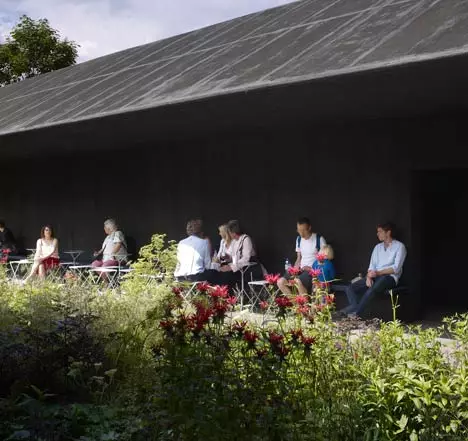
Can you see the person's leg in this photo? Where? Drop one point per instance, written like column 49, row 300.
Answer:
column 41, row 271
column 97, row 264
column 304, row 283
column 351, row 293
column 381, row 284
column 34, row 269
column 110, row 262
column 283, row 284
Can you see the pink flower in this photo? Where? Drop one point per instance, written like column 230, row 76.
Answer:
column 203, row 286
column 304, row 310
column 300, row 300
column 321, row 257
column 329, row 299
column 272, row 279
column 294, row 271
column 231, row 301
column 264, row 305
column 315, row 272
column 220, row 292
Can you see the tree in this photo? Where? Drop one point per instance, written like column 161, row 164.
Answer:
column 34, row 47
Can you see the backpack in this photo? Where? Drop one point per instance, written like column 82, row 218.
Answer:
column 317, row 244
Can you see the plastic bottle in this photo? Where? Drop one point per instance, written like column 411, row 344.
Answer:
column 287, row 264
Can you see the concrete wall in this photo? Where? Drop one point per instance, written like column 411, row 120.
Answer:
column 345, row 177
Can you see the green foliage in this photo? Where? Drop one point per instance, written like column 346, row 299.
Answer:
column 142, row 364
column 34, row 47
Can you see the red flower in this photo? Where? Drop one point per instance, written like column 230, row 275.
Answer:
column 319, row 307
column 294, row 271
column 308, row 341
column 261, row 353
column 315, row 272
column 250, row 337
column 300, row 300
column 231, row 301
column 239, row 327
column 177, row 290
column 283, row 351
column 272, row 279
column 296, row 334
column 292, row 282
column 166, row 324
column 275, row 339
column 283, row 302
column 6, row 251
column 203, row 314
column 220, row 292
column 203, row 286
column 264, row 305
column 321, row 257
column 304, row 310
column 329, row 299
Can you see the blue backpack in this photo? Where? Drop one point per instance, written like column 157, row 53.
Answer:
column 317, row 244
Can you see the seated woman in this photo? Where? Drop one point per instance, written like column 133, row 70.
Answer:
column 224, row 254
column 114, row 247
column 47, row 254
column 243, row 255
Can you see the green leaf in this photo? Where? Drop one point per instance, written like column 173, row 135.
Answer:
column 413, row 436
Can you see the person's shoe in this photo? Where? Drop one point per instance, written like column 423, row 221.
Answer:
column 338, row 315
column 352, row 315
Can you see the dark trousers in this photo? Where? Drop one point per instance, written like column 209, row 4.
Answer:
column 381, row 284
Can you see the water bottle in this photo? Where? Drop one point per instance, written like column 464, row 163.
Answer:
column 287, row 265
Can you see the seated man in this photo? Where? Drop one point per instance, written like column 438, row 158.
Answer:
column 385, row 269
column 7, row 240
column 193, row 255
column 308, row 245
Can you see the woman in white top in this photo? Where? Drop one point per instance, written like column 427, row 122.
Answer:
column 114, row 247
column 47, row 254
column 224, row 254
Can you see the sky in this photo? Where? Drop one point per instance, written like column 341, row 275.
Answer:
column 101, row 27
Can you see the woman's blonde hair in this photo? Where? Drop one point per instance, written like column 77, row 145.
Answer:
column 225, row 233
column 329, row 251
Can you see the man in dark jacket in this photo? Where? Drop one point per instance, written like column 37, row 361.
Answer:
column 7, row 240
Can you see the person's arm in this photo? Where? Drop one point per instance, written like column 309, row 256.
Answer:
column 397, row 266
column 37, row 255
column 297, row 263
column 118, row 242
column 177, row 268
column 207, row 256
column 373, row 262
column 247, row 251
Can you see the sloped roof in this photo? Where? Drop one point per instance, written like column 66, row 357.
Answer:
column 296, row 42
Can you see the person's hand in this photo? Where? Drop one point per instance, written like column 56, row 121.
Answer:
column 215, row 259
column 96, row 253
column 307, row 268
column 225, row 269
column 369, row 282
column 372, row 274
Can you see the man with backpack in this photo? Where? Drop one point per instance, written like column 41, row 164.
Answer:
column 308, row 244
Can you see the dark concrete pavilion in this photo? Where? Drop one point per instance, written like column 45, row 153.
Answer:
column 348, row 111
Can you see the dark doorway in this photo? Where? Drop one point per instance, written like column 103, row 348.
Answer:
column 440, row 231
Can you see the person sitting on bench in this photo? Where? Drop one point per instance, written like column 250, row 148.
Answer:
column 308, row 245
column 385, row 270
column 7, row 240
column 193, row 255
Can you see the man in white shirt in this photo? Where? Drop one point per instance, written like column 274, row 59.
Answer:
column 385, row 270
column 193, row 255
column 308, row 244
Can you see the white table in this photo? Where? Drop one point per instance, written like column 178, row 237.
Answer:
column 111, row 273
column 243, row 291
column 74, row 254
